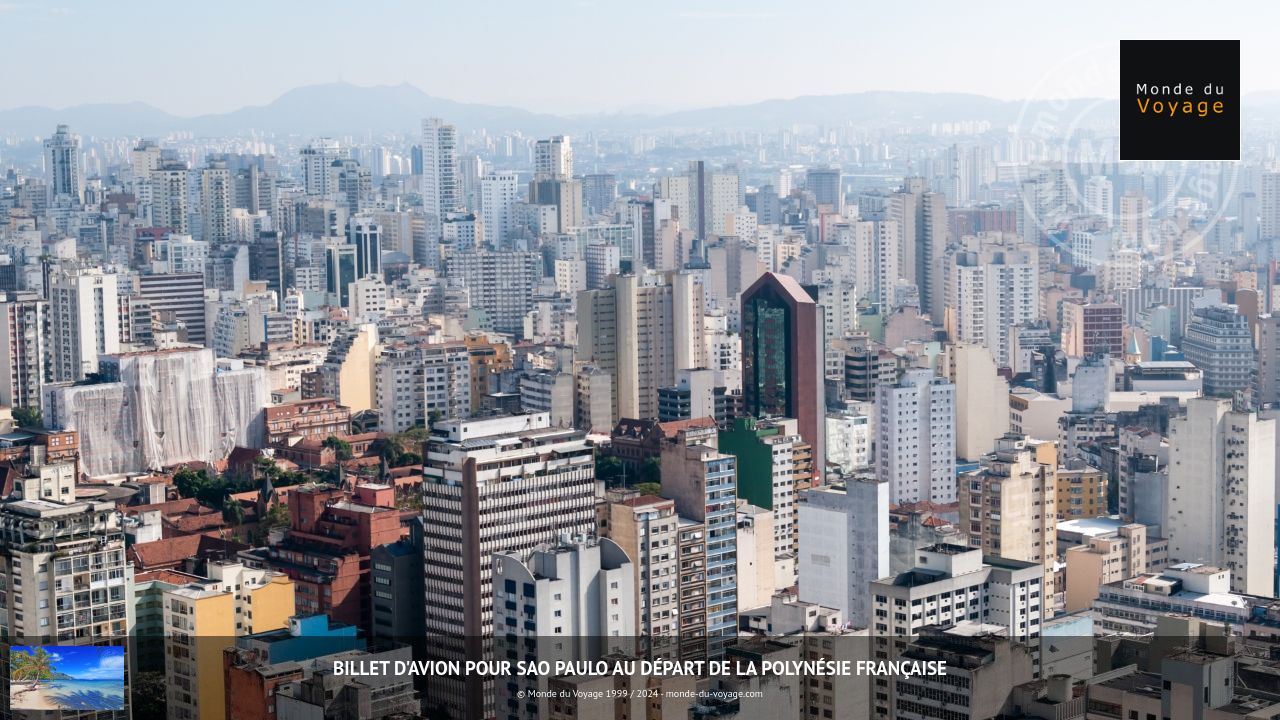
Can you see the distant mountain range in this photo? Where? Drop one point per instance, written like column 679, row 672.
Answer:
column 345, row 109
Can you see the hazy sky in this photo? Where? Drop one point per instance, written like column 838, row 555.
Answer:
column 575, row 56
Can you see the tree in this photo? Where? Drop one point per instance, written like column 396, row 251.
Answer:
column 30, row 417
column 651, row 471
column 147, row 695
column 648, row 488
column 277, row 516
column 233, row 512
column 33, row 666
column 609, row 469
column 341, row 448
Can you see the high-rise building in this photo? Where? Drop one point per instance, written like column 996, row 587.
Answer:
column 170, row 204
column 1221, row 506
column 499, row 193
column 1269, row 207
column 24, row 341
column 500, row 484
column 642, row 330
column 844, row 545
column 1266, row 389
column 993, row 287
column 1129, row 551
column 948, row 585
column 366, row 236
column 824, row 184
column 1008, row 506
column 982, row 406
column 1099, row 198
column 916, row 449
column 599, row 191
column 417, row 384
column 217, row 197
column 177, row 297
column 1092, row 328
column 702, row 482
column 921, row 219
column 1218, row 340
column 783, row 356
column 317, row 160
column 553, row 158
column 440, row 192
column 62, row 162
column 340, row 273
column 773, row 460
column 499, row 283
column 583, row 589
column 84, row 321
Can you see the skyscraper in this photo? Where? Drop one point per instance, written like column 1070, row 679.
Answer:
column 782, row 357
column 317, row 166
column 824, row 183
column 553, row 158
column 642, row 330
column 500, row 484
column 992, row 288
column 62, row 160
column 24, row 318
column 1221, row 506
column 916, row 450
column 844, row 545
column 498, row 195
column 1219, row 342
column 366, row 236
column 922, row 230
column 169, row 202
column 84, row 321
column 439, row 173
column 217, row 196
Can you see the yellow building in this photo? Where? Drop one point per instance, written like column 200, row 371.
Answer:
column 1082, row 493
column 203, row 618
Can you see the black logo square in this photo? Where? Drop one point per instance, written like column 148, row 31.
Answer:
column 1179, row 99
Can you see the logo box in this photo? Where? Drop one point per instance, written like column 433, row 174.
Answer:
column 1179, row 99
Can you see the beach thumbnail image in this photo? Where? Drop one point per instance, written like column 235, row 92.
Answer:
column 55, row 677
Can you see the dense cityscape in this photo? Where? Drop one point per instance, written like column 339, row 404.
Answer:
column 937, row 387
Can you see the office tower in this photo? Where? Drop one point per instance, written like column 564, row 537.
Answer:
column 340, row 272
column 642, row 330
column 844, row 545
column 500, row 284
column 602, row 261
column 553, row 158
column 176, row 297
column 201, row 616
column 352, row 185
column 417, row 384
column 921, row 219
column 84, row 321
column 982, row 406
column 993, row 287
column 1218, row 340
column 1221, row 506
column 499, row 193
column 1266, row 388
column 1099, row 198
column 366, row 236
column 782, row 357
column 166, row 407
column 24, row 349
column 916, row 451
column 1008, row 506
column 1092, row 328
column 62, row 162
column 317, row 160
column 702, row 482
column 599, row 191
column 950, row 584
column 267, row 263
column 582, row 589
column 170, row 205
column 439, row 174
column 499, row 484
column 824, row 184
column 216, row 201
